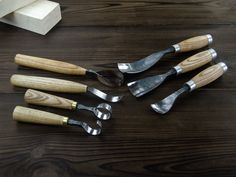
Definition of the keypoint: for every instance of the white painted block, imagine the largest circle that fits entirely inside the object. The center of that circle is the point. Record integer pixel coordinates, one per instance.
(39, 17)
(8, 6)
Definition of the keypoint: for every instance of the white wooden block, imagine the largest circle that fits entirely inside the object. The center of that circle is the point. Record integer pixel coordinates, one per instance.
(38, 17)
(8, 6)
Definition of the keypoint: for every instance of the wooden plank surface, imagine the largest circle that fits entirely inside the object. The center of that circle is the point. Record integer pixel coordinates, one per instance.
(197, 138)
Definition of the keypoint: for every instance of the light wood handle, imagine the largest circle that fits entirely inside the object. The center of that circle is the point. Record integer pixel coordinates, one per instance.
(207, 76)
(49, 65)
(196, 61)
(45, 99)
(49, 84)
(193, 43)
(29, 115)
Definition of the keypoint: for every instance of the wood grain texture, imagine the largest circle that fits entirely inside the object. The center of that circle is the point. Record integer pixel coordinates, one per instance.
(49, 65)
(48, 84)
(195, 61)
(41, 98)
(208, 75)
(193, 43)
(35, 116)
(196, 139)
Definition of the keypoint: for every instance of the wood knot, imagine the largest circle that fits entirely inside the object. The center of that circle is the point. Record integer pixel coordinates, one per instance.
(38, 151)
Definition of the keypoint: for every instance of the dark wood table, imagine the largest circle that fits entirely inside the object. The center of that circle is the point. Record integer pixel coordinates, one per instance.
(197, 138)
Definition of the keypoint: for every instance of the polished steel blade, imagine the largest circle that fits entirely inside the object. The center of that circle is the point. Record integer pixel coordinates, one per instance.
(104, 96)
(166, 104)
(141, 87)
(102, 111)
(143, 64)
(87, 127)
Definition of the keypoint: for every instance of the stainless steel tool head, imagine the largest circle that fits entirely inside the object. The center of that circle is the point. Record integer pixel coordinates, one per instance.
(86, 127)
(103, 111)
(141, 87)
(166, 104)
(104, 96)
(143, 64)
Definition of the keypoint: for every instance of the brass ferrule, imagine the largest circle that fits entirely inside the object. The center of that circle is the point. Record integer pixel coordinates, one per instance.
(65, 120)
(73, 105)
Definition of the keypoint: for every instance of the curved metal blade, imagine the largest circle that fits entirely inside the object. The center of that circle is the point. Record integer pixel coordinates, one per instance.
(104, 96)
(86, 127)
(141, 87)
(143, 64)
(166, 104)
(102, 111)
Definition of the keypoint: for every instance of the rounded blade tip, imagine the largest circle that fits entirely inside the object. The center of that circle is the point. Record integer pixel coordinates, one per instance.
(157, 109)
(116, 98)
(123, 67)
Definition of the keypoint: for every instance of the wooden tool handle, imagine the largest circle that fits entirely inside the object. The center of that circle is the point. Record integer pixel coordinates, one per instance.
(49, 84)
(207, 76)
(29, 115)
(196, 61)
(45, 99)
(193, 43)
(49, 65)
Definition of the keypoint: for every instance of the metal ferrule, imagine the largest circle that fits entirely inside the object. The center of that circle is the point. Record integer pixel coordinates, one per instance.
(210, 38)
(74, 105)
(178, 69)
(177, 47)
(224, 66)
(213, 53)
(191, 85)
(65, 121)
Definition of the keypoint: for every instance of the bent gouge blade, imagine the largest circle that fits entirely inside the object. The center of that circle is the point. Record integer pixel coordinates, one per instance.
(28, 115)
(147, 62)
(203, 78)
(102, 111)
(59, 85)
(109, 78)
(141, 87)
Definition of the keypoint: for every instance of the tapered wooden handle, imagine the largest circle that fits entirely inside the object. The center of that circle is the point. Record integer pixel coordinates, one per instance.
(49, 65)
(193, 43)
(49, 84)
(207, 76)
(29, 115)
(45, 99)
(196, 61)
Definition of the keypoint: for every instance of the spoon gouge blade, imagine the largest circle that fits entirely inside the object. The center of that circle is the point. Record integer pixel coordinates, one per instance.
(147, 62)
(203, 78)
(166, 104)
(140, 87)
(59, 85)
(104, 96)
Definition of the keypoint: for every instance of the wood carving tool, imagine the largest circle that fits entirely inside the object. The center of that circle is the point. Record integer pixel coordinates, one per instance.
(102, 111)
(147, 62)
(141, 87)
(110, 78)
(28, 115)
(203, 78)
(59, 85)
